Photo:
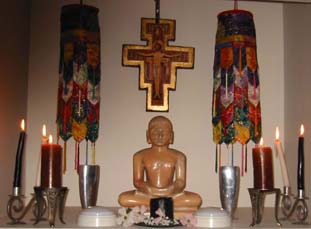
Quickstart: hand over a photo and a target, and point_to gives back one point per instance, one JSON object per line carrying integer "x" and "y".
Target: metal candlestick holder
{"x": 229, "y": 186}
{"x": 286, "y": 202}
{"x": 258, "y": 199}
{"x": 16, "y": 208}
{"x": 300, "y": 206}
{"x": 44, "y": 199}
{"x": 55, "y": 199}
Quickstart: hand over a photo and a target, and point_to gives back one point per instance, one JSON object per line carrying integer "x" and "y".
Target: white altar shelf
{"x": 280, "y": 1}
{"x": 243, "y": 215}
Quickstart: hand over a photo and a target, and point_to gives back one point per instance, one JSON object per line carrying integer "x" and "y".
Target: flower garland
{"x": 138, "y": 215}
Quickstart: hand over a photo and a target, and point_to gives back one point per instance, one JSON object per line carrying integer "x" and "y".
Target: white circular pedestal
{"x": 212, "y": 217}
{"x": 96, "y": 217}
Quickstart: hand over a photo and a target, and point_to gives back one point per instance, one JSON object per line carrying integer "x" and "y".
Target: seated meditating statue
{"x": 160, "y": 171}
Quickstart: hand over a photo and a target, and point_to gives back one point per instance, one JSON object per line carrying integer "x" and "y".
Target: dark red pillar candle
{"x": 263, "y": 168}
{"x": 51, "y": 166}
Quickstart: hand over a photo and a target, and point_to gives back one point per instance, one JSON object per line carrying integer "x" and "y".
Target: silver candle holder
{"x": 286, "y": 202}
{"x": 229, "y": 187}
{"x": 88, "y": 184}
{"x": 257, "y": 197}
{"x": 43, "y": 199}
{"x": 299, "y": 206}
{"x": 16, "y": 208}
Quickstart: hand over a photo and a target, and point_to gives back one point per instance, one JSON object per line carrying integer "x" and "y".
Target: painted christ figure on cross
{"x": 158, "y": 67}
{"x": 157, "y": 61}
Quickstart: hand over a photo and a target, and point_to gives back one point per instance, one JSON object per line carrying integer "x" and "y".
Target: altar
{"x": 123, "y": 107}
{"x": 243, "y": 220}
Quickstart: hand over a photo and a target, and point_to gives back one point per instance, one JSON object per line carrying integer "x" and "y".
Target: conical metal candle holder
{"x": 88, "y": 184}
{"x": 229, "y": 186}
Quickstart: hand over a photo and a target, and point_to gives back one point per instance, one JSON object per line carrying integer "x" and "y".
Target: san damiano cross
{"x": 157, "y": 61}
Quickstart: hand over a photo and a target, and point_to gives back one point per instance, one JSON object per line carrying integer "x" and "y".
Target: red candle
{"x": 263, "y": 167}
{"x": 51, "y": 165}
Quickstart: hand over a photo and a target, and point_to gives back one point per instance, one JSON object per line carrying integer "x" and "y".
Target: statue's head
{"x": 160, "y": 131}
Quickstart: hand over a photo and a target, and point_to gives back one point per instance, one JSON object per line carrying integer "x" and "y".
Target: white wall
{"x": 297, "y": 86}
{"x": 14, "y": 24}
{"x": 123, "y": 118}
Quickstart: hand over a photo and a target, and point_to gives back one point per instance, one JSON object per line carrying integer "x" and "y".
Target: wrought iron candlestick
{"x": 16, "y": 208}
{"x": 257, "y": 197}
{"x": 44, "y": 199}
{"x": 55, "y": 198}
{"x": 300, "y": 206}
{"x": 286, "y": 202}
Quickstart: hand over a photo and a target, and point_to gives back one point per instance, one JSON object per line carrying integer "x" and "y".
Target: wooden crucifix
{"x": 157, "y": 61}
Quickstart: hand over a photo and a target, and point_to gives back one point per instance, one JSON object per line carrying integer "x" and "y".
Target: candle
{"x": 44, "y": 139}
{"x": 263, "y": 167}
{"x": 300, "y": 170}
{"x": 51, "y": 165}
{"x": 280, "y": 153}
{"x": 19, "y": 156}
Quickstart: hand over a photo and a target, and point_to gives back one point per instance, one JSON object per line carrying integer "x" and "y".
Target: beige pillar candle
{"x": 280, "y": 153}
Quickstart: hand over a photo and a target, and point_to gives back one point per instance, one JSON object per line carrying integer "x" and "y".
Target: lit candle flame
{"x": 277, "y": 133}
{"x": 261, "y": 142}
{"x": 302, "y": 130}
{"x": 50, "y": 139}
{"x": 23, "y": 125}
{"x": 44, "y": 130}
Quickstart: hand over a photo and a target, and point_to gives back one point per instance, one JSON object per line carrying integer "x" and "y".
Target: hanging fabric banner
{"x": 236, "y": 96}
{"x": 79, "y": 76}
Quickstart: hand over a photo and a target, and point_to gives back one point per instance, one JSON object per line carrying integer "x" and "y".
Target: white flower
{"x": 188, "y": 220}
{"x": 125, "y": 217}
{"x": 157, "y": 220}
{"x": 129, "y": 216}
{"x": 143, "y": 209}
{"x": 136, "y": 210}
{"x": 160, "y": 213}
